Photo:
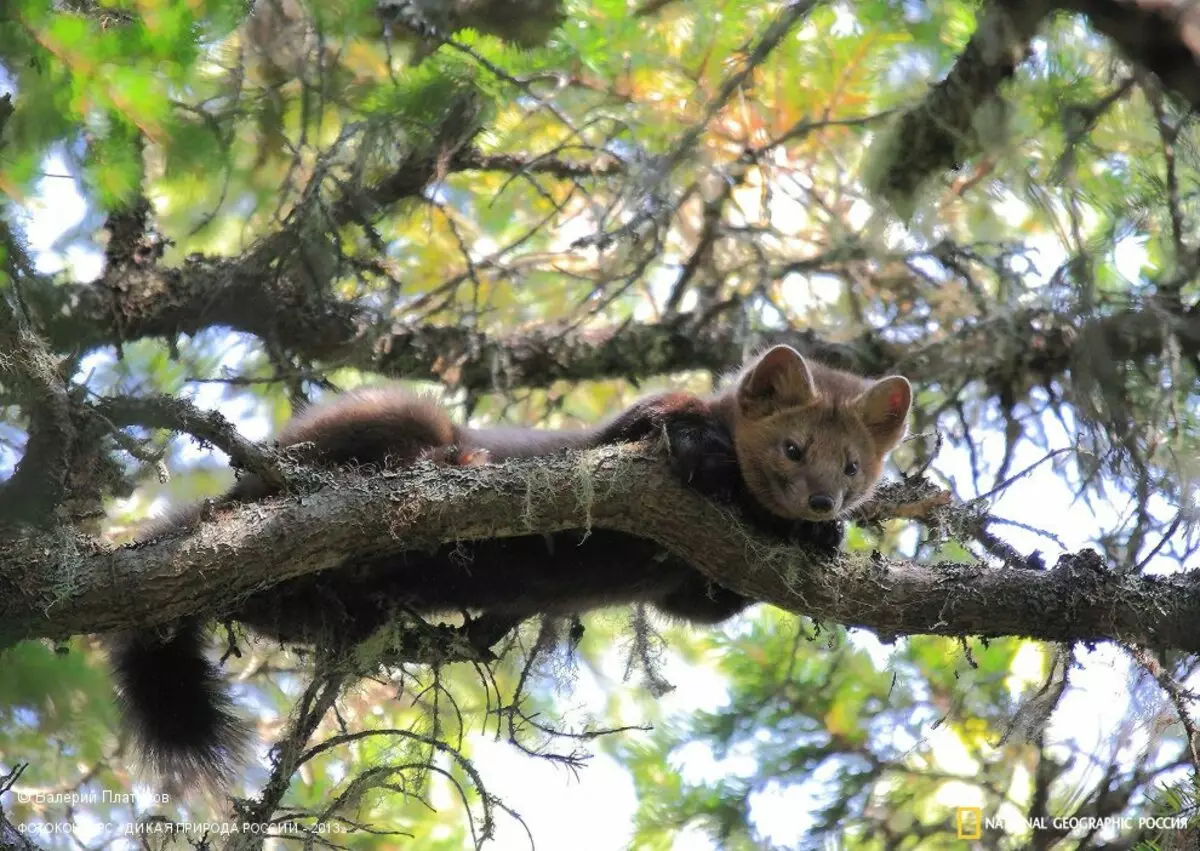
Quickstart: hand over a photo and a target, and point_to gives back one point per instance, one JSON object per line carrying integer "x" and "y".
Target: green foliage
{"x": 813, "y": 723}
{"x": 110, "y": 77}
{"x": 56, "y": 709}
{"x": 853, "y": 742}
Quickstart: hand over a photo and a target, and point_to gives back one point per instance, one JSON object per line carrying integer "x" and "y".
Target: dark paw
{"x": 699, "y": 601}
{"x": 456, "y": 456}
{"x": 703, "y": 457}
{"x": 700, "y": 447}
{"x": 650, "y": 417}
{"x": 824, "y": 537}
{"x": 487, "y": 629}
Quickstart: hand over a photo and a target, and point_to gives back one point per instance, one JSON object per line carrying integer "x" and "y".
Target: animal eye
{"x": 851, "y": 468}
{"x": 793, "y": 450}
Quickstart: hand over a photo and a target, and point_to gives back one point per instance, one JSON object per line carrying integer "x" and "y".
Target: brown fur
{"x": 389, "y": 425}
{"x": 731, "y": 445}
{"x": 835, "y": 418}
{"x": 370, "y": 426}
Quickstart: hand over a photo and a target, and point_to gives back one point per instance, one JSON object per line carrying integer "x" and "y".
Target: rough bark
{"x": 243, "y": 295}
{"x": 59, "y": 587}
{"x": 39, "y": 484}
{"x": 12, "y": 839}
{"x": 940, "y": 132}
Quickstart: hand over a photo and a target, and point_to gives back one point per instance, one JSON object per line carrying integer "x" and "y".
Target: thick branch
{"x": 278, "y": 290}
{"x": 205, "y": 294}
{"x": 940, "y": 132}
{"x": 39, "y": 484}
{"x": 1162, "y": 37}
{"x": 55, "y": 591}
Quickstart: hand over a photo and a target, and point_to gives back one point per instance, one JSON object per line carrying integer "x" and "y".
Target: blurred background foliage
{"x": 592, "y": 165}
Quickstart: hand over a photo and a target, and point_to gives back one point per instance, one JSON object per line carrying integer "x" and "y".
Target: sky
{"x": 592, "y": 811}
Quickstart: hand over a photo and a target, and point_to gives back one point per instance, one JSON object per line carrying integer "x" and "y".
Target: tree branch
{"x": 1162, "y": 37}
{"x": 939, "y": 133}
{"x": 12, "y": 838}
{"x": 38, "y": 486}
{"x": 472, "y": 159}
{"x": 214, "y": 293}
{"x": 180, "y": 415}
{"x": 55, "y": 588}
{"x": 277, "y": 290}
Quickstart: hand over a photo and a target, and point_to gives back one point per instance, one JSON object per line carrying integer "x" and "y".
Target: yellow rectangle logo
{"x": 968, "y": 822}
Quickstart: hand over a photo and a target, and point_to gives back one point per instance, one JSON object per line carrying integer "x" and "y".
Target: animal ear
{"x": 780, "y": 379}
{"x": 884, "y": 410}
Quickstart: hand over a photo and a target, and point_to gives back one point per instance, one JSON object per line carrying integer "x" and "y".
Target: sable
{"x": 793, "y": 444}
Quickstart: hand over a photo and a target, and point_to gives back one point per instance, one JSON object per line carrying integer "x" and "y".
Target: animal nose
{"x": 821, "y": 503}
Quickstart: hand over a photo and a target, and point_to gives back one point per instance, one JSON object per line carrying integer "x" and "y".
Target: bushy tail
{"x": 177, "y": 706}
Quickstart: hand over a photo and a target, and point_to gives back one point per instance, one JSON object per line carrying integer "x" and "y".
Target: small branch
{"x": 456, "y": 127}
{"x": 792, "y": 13}
{"x": 709, "y": 233}
{"x": 1182, "y": 698}
{"x": 6, "y": 111}
{"x": 318, "y": 697}
{"x": 180, "y": 415}
{"x": 914, "y": 499}
{"x": 11, "y": 837}
{"x": 656, "y": 176}
{"x": 475, "y": 160}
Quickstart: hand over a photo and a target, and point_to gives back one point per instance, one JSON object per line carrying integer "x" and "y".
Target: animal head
{"x": 811, "y": 440}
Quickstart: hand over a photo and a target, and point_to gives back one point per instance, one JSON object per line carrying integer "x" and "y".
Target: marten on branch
{"x": 793, "y": 443}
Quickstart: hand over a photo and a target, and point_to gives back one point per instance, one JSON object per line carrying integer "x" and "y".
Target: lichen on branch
{"x": 244, "y": 549}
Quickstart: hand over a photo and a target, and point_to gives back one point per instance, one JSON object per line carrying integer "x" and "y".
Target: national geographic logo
{"x": 968, "y": 822}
